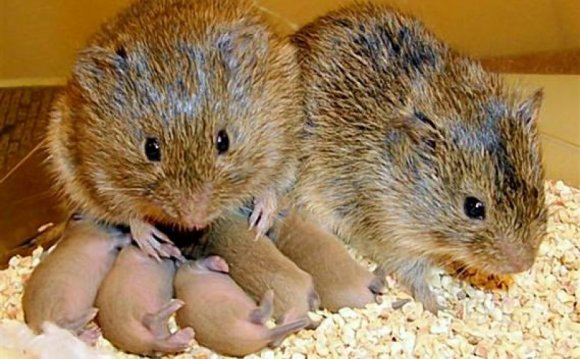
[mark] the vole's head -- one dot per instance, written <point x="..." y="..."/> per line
<point x="468" y="151"/>
<point x="180" y="112"/>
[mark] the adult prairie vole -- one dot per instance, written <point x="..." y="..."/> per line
<point x="225" y="318"/>
<point x="135" y="303"/>
<point x="413" y="153"/>
<point x="176" y="111"/>
<point x="258" y="266"/>
<point x="63" y="288"/>
<point x="339" y="279"/>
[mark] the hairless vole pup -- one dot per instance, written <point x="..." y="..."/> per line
<point x="63" y="287"/>
<point x="413" y="153"/>
<point x="177" y="111"/>
<point x="339" y="279"/>
<point x="225" y="318"/>
<point x="257" y="266"/>
<point x="135" y="303"/>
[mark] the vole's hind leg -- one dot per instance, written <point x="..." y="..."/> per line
<point x="264" y="213"/>
<point x="157" y="322"/>
<point x="149" y="239"/>
<point x="413" y="275"/>
<point x="261" y="314"/>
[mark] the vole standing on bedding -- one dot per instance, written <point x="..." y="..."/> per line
<point x="226" y="319"/>
<point x="135" y="303"/>
<point x="63" y="287"/>
<point x="339" y="279"/>
<point x="177" y="111"/>
<point x="257" y="266"/>
<point x="412" y="153"/>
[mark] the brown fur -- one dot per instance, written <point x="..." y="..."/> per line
<point x="135" y="303"/>
<point x="257" y="266"/>
<point x="63" y="288"/>
<point x="400" y="129"/>
<point x="179" y="71"/>
<point x="225" y="318"/>
<point x="338" y="278"/>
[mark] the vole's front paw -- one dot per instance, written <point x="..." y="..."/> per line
<point x="413" y="275"/>
<point x="152" y="241"/>
<point x="429" y="301"/>
<point x="265" y="211"/>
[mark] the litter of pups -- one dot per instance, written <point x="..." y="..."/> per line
<point x="537" y="316"/>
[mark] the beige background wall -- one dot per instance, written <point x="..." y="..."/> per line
<point x="38" y="40"/>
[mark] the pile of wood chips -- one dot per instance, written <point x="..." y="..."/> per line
<point x="537" y="317"/>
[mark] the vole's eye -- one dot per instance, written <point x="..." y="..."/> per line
<point x="474" y="208"/>
<point x="222" y="142"/>
<point x="152" y="149"/>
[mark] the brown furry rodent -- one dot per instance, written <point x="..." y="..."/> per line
<point x="413" y="153"/>
<point x="339" y="279"/>
<point x="176" y="111"/>
<point x="257" y="266"/>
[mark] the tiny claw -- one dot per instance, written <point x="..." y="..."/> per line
<point x="262" y="217"/>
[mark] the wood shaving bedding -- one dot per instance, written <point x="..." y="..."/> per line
<point x="537" y="316"/>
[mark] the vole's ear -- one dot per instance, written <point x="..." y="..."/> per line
<point x="243" y="47"/>
<point x="95" y="64"/>
<point x="529" y="110"/>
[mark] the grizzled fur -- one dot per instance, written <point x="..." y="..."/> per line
<point x="179" y="71"/>
<point x="400" y="130"/>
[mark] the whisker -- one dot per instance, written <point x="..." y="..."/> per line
<point x="121" y="189"/>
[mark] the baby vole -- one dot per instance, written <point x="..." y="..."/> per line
<point x="176" y="111"/>
<point x="225" y="318"/>
<point x="339" y="279"/>
<point x="135" y="303"/>
<point x="63" y="287"/>
<point x="257" y="266"/>
<point x="413" y="153"/>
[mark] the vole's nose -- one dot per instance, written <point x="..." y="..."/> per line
<point x="194" y="210"/>
<point x="518" y="257"/>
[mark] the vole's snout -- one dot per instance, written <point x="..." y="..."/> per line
<point x="193" y="211"/>
<point x="517" y="257"/>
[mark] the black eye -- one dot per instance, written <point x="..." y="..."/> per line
<point x="474" y="208"/>
<point x="153" y="149"/>
<point x="222" y="142"/>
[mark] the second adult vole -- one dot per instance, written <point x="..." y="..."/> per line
<point x="176" y="111"/>
<point x="413" y="153"/>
